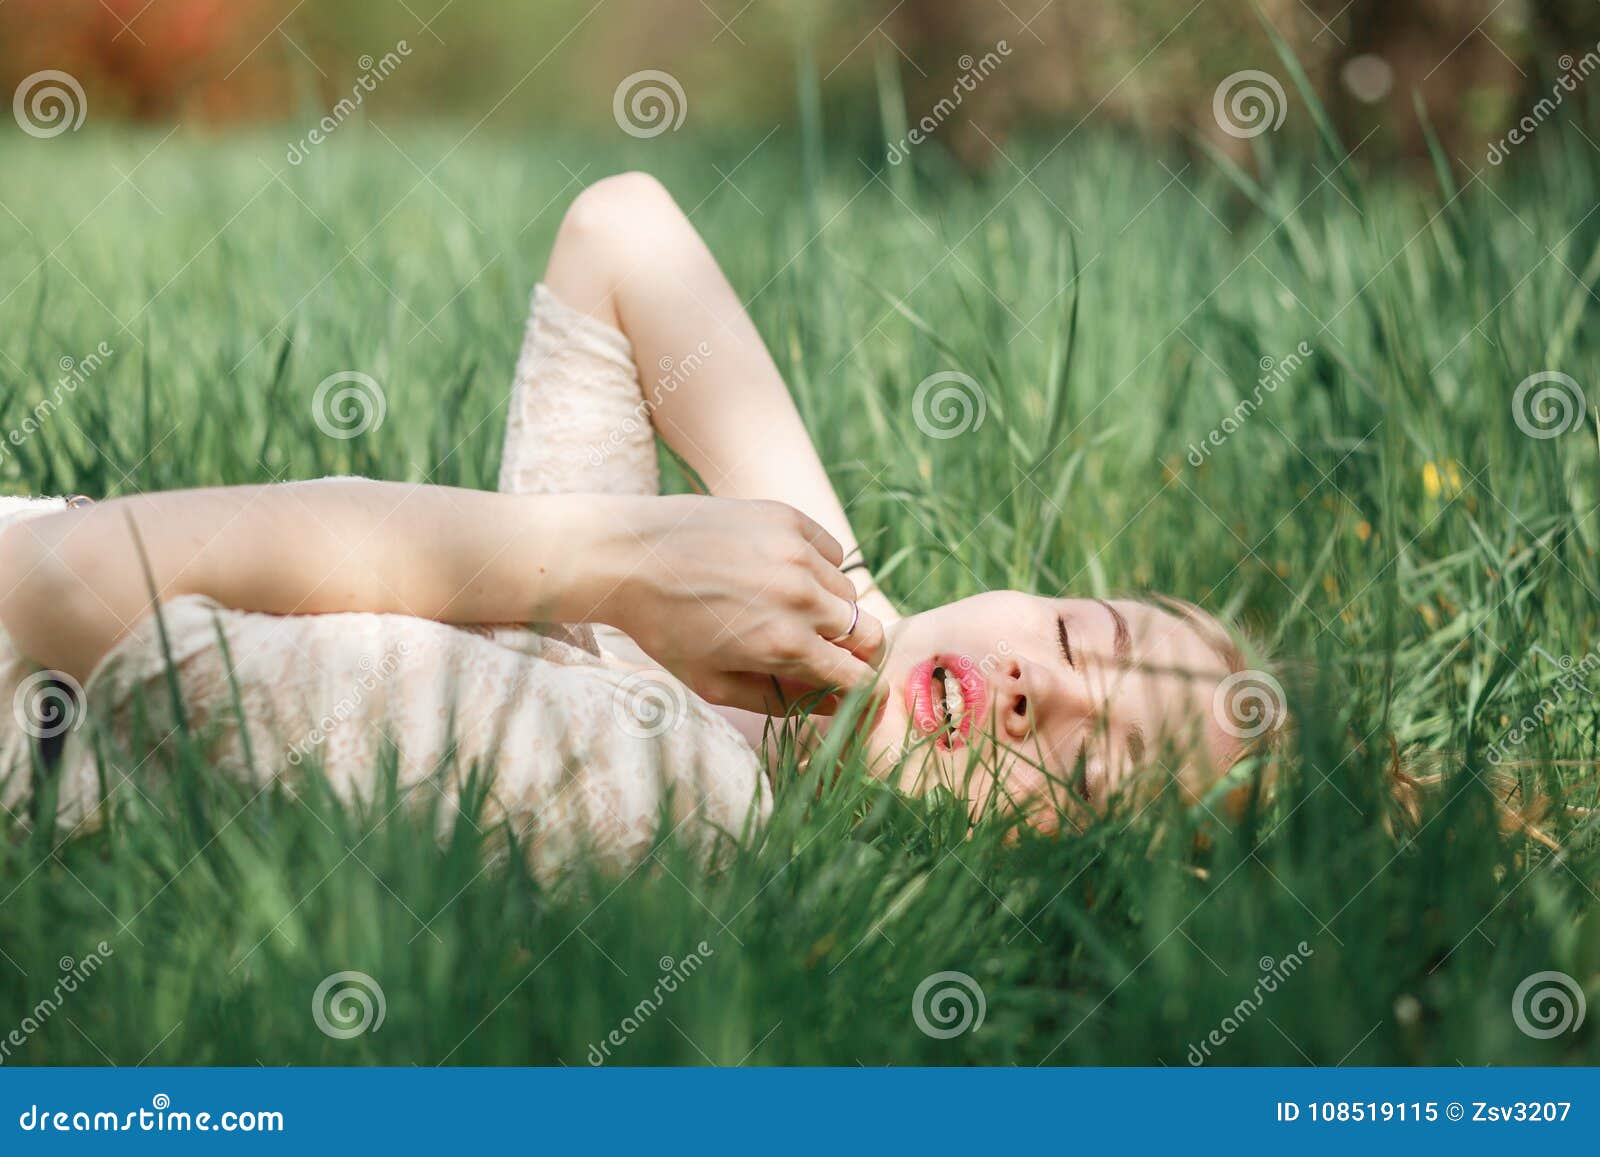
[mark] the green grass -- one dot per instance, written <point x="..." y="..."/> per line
<point x="1409" y="614"/>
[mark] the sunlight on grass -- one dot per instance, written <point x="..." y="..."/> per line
<point x="1424" y="570"/>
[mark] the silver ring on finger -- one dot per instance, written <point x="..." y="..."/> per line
<point x="855" y="617"/>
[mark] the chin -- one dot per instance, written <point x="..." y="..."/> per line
<point x="890" y="735"/>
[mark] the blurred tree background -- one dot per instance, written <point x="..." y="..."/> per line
<point x="1151" y="64"/>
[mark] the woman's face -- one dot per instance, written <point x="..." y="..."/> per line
<point x="1018" y="690"/>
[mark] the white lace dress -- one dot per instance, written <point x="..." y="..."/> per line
<point x="588" y="747"/>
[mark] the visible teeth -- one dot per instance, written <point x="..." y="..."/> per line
<point x="945" y="691"/>
<point x="954" y="702"/>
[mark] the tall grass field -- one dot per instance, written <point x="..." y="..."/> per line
<point x="1287" y="391"/>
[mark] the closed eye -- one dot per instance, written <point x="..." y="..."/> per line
<point x="1064" y="643"/>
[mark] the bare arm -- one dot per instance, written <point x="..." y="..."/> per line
<point x="73" y="584"/>
<point x="627" y="255"/>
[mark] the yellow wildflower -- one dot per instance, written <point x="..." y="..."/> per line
<point x="1430" y="480"/>
<point x="1442" y="479"/>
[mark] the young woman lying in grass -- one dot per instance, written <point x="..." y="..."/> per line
<point x="320" y="621"/>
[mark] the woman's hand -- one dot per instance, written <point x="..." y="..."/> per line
<point x="728" y="593"/>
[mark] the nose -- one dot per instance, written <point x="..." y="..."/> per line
<point x="1030" y="696"/>
<point x="1016" y="706"/>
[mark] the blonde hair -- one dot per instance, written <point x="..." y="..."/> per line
<point x="1256" y="684"/>
<point x="1411" y="775"/>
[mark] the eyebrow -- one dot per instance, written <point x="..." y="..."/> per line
<point x="1121" y="637"/>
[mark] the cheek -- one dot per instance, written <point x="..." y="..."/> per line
<point x="900" y="642"/>
<point x="1026" y="785"/>
<point x="953" y="628"/>
<point x="1046" y="804"/>
<point x="1180" y="713"/>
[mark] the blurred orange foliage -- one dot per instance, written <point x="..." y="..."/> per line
<point x="152" y="59"/>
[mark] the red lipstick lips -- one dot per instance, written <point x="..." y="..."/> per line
<point x="935" y="710"/>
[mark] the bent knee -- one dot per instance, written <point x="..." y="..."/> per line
<point x="613" y="229"/>
<point x="617" y="203"/>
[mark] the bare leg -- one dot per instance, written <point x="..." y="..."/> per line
<point x="627" y="256"/>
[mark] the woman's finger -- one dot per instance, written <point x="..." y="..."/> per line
<point x="866" y="642"/>
<point x="832" y="579"/>
<point x="823" y="664"/>
<point x="837" y="619"/>
<point x="827" y="546"/>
